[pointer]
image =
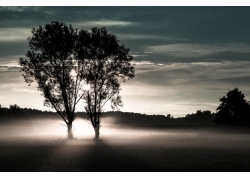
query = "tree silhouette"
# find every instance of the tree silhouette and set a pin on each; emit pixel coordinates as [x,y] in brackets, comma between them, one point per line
[233,110]
[105,62]
[16,112]
[50,62]
[200,117]
[3,112]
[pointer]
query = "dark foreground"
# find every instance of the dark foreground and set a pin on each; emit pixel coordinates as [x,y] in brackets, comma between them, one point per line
[170,152]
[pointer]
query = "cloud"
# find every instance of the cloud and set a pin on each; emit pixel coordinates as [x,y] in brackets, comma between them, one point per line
[136,55]
[9,68]
[103,23]
[14,8]
[198,50]
[14,34]
[142,62]
[21,90]
[213,105]
[138,36]
[14,90]
[192,73]
[181,88]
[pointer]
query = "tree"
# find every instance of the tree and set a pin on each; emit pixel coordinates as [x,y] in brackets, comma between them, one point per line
[16,112]
[233,110]
[105,61]
[50,62]
[3,112]
[199,117]
[169,116]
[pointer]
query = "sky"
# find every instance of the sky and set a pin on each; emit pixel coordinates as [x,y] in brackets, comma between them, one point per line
[186,58]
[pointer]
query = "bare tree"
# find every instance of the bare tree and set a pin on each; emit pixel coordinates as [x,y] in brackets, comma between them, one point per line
[50,62]
[105,61]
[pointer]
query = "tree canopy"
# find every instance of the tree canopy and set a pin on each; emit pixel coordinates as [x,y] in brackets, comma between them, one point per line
[104,61]
[51,64]
[234,109]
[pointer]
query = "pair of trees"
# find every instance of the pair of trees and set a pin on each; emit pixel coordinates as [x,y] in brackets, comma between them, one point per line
[63,61]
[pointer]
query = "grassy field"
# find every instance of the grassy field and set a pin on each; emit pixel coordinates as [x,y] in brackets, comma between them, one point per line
[170,150]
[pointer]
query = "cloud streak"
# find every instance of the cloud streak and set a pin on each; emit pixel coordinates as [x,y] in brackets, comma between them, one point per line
[14,34]
[103,23]
[198,50]
[21,90]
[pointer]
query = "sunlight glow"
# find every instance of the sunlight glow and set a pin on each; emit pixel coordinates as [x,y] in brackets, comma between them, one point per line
[82,129]
[86,87]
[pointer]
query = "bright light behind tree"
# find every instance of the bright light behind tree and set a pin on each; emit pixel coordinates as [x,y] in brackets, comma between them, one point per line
[86,87]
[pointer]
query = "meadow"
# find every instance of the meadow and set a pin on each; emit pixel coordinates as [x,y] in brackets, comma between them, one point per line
[26,147]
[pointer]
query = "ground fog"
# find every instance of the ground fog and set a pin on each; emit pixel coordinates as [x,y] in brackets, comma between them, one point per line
[42,146]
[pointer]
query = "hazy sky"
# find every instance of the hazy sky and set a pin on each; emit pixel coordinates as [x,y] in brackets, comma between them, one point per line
[186,58]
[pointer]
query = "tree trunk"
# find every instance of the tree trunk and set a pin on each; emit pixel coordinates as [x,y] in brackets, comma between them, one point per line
[97,131]
[70,133]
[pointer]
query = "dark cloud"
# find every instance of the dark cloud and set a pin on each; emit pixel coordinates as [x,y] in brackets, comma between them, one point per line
[10,49]
[141,27]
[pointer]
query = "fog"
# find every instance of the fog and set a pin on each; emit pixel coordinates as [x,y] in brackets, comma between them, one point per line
[172,136]
[43,129]
[42,145]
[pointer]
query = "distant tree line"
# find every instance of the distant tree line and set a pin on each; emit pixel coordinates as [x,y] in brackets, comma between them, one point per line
[137,119]
[233,111]
[14,112]
[200,117]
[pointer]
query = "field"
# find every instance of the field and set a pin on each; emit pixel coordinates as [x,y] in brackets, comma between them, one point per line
[173,149]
